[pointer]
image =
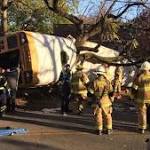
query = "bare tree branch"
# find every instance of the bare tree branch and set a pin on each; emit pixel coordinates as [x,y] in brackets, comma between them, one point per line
[127,7]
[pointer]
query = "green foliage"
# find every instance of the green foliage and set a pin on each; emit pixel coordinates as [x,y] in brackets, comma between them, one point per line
[134,44]
[33,15]
[110,29]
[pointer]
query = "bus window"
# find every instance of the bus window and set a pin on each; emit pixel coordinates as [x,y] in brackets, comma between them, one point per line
[9,59]
[12,42]
[64,57]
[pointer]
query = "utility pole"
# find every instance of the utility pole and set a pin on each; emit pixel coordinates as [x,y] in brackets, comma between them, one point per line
[4,20]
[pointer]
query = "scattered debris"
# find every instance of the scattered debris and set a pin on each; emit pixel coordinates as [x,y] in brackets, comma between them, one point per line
[51,110]
[8,131]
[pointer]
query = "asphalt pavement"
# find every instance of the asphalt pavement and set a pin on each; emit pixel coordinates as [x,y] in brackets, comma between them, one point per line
[49,130]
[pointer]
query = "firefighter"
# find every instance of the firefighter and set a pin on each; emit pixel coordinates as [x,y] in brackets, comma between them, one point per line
[79,84]
[4,92]
[148,117]
[65,79]
[142,98]
[12,76]
[103,109]
[116,83]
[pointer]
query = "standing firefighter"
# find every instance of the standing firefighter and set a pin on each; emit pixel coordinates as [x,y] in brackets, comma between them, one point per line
[64,79]
[142,98]
[79,87]
[12,76]
[3,93]
[116,83]
[102,88]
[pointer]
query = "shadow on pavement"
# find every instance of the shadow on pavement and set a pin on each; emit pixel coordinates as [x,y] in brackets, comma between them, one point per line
[124,121]
[71,122]
[23,145]
[38,98]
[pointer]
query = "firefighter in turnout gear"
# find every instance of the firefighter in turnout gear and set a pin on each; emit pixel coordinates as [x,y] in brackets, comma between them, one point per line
[12,76]
[103,110]
[142,98]
[117,82]
[4,92]
[79,83]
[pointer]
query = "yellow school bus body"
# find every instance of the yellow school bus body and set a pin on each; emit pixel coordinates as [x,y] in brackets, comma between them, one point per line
[39,56]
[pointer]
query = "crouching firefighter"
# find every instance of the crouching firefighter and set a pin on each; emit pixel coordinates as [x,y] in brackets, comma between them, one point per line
[79,83]
[103,109]
[4,92]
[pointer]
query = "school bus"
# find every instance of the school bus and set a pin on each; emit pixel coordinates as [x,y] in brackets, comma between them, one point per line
[40,57]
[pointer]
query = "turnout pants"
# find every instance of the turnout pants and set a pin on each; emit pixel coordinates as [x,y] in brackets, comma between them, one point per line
[143,115]
[148,115]
[78,103]
[11,102]
[103,117]
[81,102]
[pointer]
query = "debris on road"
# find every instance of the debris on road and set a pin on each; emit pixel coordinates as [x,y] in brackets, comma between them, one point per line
[8,131]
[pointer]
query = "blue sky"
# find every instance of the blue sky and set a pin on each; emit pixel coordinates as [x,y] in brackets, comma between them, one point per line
[88,7]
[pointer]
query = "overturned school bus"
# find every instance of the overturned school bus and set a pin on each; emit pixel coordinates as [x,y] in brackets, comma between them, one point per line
[40,57]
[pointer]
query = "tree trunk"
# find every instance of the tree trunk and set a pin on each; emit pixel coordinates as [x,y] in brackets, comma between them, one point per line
[4,17]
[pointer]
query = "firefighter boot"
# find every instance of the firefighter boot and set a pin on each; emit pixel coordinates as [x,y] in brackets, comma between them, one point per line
[109,131]
[142,131]
[99,132]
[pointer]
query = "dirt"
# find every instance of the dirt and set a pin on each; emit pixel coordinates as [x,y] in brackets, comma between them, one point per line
[37,99]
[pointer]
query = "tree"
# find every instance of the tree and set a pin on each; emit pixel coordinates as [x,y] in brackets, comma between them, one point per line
[4,5]
[32,15]
[108,20]
[141,27]
[109,17]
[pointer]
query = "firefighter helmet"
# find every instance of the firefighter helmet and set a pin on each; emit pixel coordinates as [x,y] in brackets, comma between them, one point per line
[145,66]
[101,70]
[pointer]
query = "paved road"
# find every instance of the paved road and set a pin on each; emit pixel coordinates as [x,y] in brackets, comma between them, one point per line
[48,130]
